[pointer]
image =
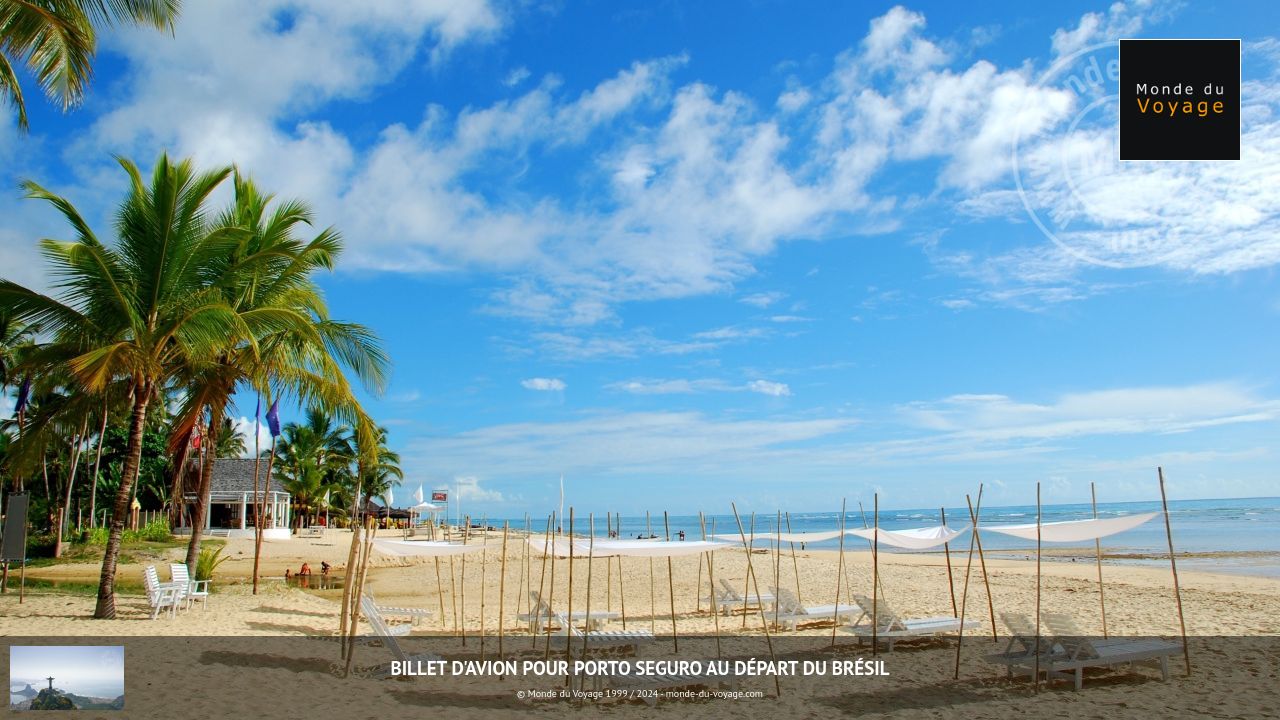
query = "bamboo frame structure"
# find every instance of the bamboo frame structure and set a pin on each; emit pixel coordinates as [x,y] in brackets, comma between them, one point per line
[875,574]
[1039,521]
[795,564]
[568,644]
[946,549]
[764,624]
[1097,548]
[840,568]
[1173,564]
[542,582]
[671,586]
[502,588]
[591,556]
[711,582]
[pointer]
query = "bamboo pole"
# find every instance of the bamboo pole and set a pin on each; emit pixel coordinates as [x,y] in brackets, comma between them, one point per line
[974,518]
[542,581]
[751,576]
[875,575]
[840,571]
[764,624]
[879,586]
[671,587]
[1097,549]
[502,589]
[711,582]
[795,564]
[484,564]
[551,589]
[777,563]
[440,591]
[591,554]
[1173,564]
[1037,649]
[964,595]
[608,563]
[462,580]
[453,595]
[568,632]
[946,549]
[653,603]
[698,583]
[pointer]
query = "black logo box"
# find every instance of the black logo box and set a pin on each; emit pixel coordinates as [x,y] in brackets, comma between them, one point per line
[1158,78]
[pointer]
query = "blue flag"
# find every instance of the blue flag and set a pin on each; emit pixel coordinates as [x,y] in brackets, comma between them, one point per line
[273,418]
[24,394]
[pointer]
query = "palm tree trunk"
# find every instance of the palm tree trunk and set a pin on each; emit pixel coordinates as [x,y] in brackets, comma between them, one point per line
[176,486]
[97,465]
[71,482]
[106,608]
[201,510]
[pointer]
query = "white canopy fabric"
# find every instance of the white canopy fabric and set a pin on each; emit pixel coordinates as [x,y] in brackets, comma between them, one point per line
[419,548]
[626,548]
[1073,530]
[800,537]
[427,507]
[914,538]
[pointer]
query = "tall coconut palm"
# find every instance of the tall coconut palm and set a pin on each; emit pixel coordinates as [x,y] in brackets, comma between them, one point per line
[57,39]
[314,459]
[296,350]
[139,309]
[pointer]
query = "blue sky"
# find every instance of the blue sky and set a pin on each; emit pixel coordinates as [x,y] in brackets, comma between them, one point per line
[770,252]
[91,670]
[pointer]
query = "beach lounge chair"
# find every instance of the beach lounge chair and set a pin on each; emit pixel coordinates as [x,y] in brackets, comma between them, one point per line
[729,599]
[542,615]
[1080,652]
[160,596]
[890,627]
[600,639]
[387,634]
[192,590]
[415,615]
[790,613]
[1021,648]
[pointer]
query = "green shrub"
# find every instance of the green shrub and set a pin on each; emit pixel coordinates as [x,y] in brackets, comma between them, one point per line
[208,561]
[155,531]
[96,536]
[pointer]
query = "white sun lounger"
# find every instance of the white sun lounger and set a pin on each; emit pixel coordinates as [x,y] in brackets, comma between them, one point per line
[191,590]
[414,614]
[1079,652]
[790,613]
[1022,645]
[890,627]
[161,596]
[600,639]
[729,599]
[542,615]
[387,634]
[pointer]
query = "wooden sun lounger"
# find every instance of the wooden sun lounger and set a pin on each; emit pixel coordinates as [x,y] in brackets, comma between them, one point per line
[729,599]
[1079,652]
[600,639]
[891,627]
[388,634]
[415,615]
[790,613]
[541,616]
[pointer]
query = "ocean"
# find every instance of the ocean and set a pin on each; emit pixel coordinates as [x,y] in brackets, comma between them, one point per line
[1237,535]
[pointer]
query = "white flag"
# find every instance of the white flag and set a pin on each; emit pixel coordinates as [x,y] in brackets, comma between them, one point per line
[417,496]
[390,497]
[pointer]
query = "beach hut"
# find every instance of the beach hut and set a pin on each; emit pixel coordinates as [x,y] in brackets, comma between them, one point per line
[231,501]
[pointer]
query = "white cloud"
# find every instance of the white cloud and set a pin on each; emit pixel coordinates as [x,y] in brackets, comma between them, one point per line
[762,299]
[766,387]
[1122,19]
[516,76]
[244,428]
[543,384]
[467,487]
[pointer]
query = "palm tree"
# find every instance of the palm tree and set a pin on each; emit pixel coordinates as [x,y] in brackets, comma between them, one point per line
[230,442]
[295,349]
[314,460]
[57,39]
[137,310]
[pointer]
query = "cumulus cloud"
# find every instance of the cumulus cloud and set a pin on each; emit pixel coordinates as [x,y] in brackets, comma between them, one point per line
[766,387]
[468,488]
[543,384]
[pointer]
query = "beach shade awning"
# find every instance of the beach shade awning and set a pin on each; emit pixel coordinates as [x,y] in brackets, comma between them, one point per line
[423,548]
[1073,530]
[800,537]
[912,539]
[626,548]
[427,507]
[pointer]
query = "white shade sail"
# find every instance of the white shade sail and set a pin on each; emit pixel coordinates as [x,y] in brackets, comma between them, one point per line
[420,548]
[912,539]
[1073,530]
[427,507]
[627,548]
[800,537]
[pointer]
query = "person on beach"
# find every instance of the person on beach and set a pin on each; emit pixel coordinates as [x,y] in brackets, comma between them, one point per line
[304,570]
[324,568]
[287,575]
[681,536]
